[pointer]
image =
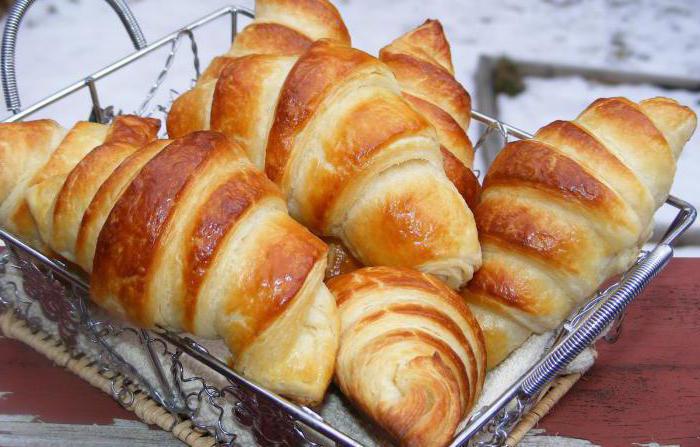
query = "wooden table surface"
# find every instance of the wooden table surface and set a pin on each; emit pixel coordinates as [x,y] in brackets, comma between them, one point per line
[644,390]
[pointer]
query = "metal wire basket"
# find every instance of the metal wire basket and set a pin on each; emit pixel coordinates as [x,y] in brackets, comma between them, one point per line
[49,295]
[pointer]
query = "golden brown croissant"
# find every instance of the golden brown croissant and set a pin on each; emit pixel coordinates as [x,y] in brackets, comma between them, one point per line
[289,27]
[566,210]
[189,235]
[24,148]
[422,63]
[353,158]
[61,191]
[411,354]
[281,27]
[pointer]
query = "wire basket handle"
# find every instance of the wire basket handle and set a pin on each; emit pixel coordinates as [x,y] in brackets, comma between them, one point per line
[9,42]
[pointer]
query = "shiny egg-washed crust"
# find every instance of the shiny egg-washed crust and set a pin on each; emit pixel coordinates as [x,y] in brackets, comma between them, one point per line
[411,354]
[350,179]
[281,28]
[106,196]
[269,38]
[326,72]
[566,210]
[199,240]
[311,122]
[422,63]
[24,149]
[187,235]
[63,188]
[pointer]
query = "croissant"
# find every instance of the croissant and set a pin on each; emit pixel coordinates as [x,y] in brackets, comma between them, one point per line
[63,188]
[411,354]
[189,235]
[353,158]
[566,210]
[281,27]
[24,148]
[422,63]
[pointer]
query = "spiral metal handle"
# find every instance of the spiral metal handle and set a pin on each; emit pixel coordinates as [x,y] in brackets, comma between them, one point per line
[630,287]
[9,42]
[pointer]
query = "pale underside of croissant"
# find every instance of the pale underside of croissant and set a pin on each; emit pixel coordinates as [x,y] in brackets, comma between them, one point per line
[189,235]
[568,209]
[411,354]
[354,159]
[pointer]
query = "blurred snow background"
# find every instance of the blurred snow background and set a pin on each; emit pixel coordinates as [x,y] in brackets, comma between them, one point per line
[60,40]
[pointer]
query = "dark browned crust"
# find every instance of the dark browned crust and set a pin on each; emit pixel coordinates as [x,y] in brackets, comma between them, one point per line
[130,237]
[626,113]
[133,130]
[538,165]
[237,94]
[519,228]
[449,131]
[503,287]
[188,113]
[427,42]
[462,177]
[320,69]
[580,138]
[127,134]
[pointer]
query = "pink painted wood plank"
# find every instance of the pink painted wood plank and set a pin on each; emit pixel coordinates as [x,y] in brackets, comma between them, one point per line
[36,386]
[646,387]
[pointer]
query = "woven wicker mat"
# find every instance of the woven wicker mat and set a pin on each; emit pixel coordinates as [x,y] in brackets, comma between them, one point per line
[152,413]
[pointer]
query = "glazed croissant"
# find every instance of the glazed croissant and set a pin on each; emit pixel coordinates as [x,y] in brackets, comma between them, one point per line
[422,63]
[189,235]
[281,27]
[354,159]
[63,188]
[411,354]
[566,210]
